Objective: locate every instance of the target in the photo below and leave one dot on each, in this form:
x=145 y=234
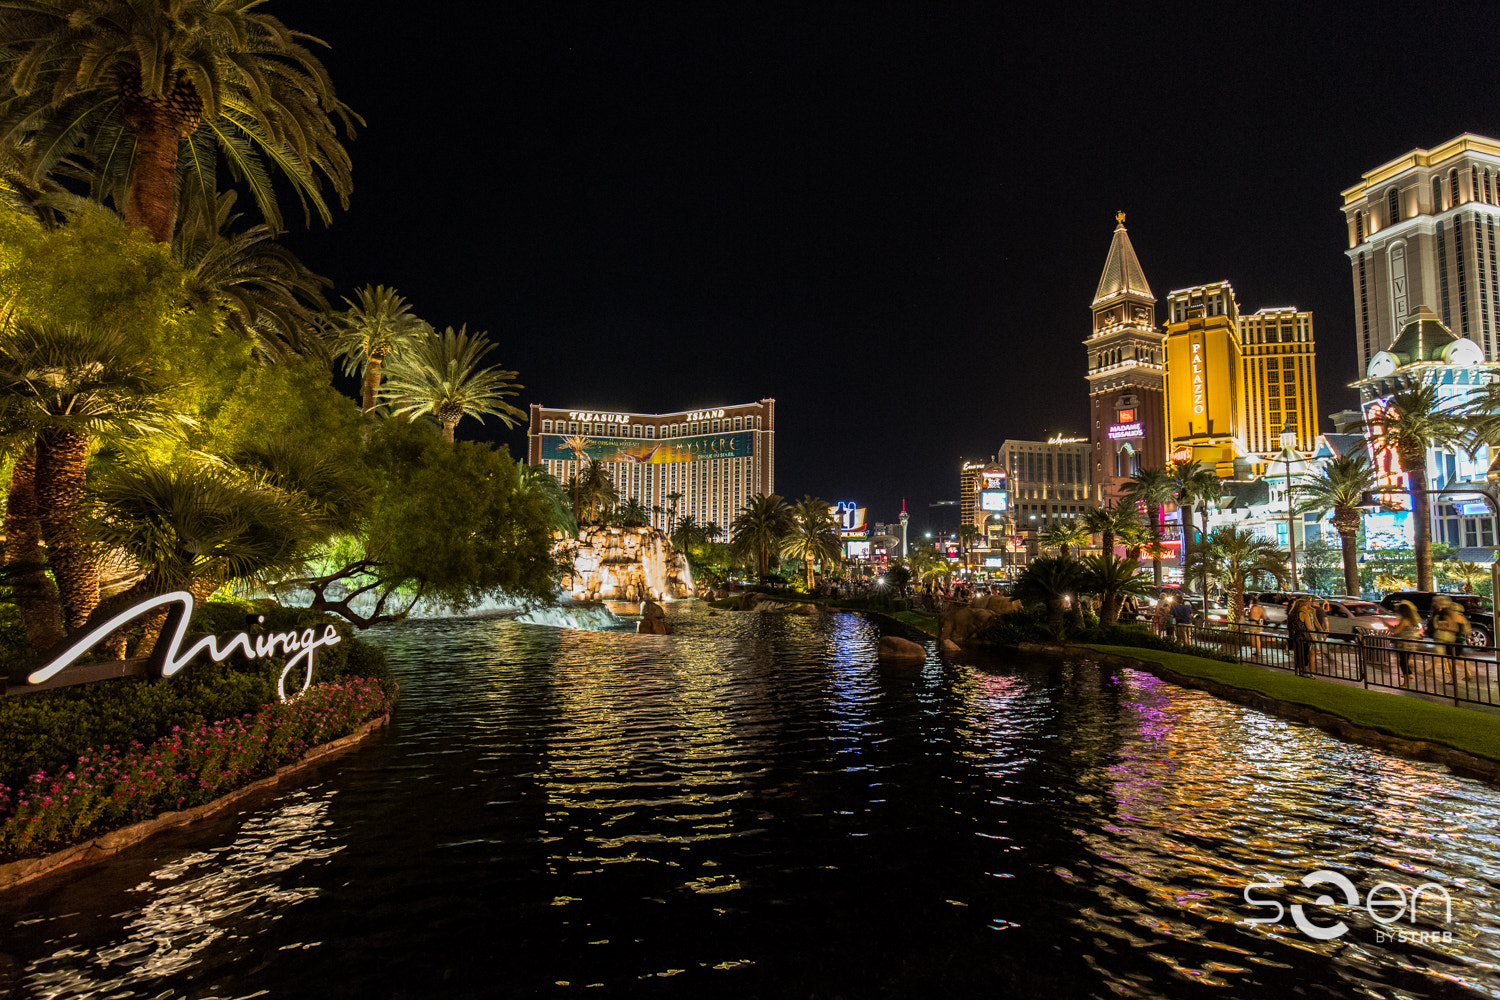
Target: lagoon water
x=756 y=807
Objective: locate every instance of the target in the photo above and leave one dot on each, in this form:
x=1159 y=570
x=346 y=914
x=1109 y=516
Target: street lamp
x=1288 y=441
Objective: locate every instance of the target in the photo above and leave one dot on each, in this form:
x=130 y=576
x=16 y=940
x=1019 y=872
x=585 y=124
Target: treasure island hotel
x=715 y=459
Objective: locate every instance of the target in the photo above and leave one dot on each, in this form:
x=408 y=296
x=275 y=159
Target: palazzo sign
x=168 y=657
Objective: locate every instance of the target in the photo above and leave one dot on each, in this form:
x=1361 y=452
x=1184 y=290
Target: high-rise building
x=983 y=500
x=1422 y=231
x=1205 y=408
x=1048 y=481
x=703 y=463
x=1127 y=416
x=1278 y=381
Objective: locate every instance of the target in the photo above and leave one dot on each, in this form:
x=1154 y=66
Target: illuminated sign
x=608 y=418
x=1384 y=460
x=1198 y=390
x=992 y=561
x=1202 y=382
x=167 y=660
x=705 y=414
x=1126 y=416
x=696 y=448
x=850 y=517
x=993 y=480
x=1062 y=440
x=1183 y=454
x=1391 y=530
x=1126 y=432
x=993 y=500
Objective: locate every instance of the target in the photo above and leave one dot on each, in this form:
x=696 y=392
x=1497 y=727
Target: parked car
x=1479 y=610
x=1276 y=603
x=1356 y=617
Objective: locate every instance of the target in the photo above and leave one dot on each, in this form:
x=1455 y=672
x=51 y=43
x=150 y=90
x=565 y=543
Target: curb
x=107 y=844
x=1461 y=762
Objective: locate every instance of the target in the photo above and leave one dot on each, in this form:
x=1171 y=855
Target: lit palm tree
x=968 y=534
x=758 y=530
x=1050 y=580
x=1339 y=488
x=379 y=325
x=66 y=387
x=262 y=291
x=536 y=479
x=632 y=514
x=1412 y=422
x=579 y=446
x=440 y=374
x=1152 y=489
x=32 y=590
x=1112 y=578
x=1065 y=535
x=598 y=490
x=1465 y=572
x=1112 y=521
x=813 y=535
x=1197 y=489
x=1233 y=556
x=122 y=83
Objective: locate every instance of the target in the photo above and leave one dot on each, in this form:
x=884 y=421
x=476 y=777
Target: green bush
x=1011 y=629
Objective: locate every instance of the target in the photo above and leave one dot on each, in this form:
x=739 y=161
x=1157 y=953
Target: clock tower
x=1126 y=373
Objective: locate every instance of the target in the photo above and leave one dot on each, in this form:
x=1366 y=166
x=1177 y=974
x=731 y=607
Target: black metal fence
x=1464 y=674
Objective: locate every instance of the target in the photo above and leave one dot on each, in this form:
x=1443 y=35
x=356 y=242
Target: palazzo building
x=699 y=463
x=1127 y=415
x=1422 y=231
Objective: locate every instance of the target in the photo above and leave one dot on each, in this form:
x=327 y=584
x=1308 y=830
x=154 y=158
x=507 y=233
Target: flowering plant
x=109 y=788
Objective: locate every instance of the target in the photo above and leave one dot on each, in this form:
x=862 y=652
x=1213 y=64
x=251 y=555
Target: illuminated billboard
x=1201 y=391
x=696 y=448
x=1126 y=432
x=1388 y=530
x=994 y=500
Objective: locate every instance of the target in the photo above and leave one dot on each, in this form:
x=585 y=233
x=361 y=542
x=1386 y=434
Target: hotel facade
x=713 y=460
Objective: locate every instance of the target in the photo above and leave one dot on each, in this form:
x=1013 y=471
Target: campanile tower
x=1126 y=373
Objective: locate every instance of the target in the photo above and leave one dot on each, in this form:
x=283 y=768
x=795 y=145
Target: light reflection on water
x=756 y=806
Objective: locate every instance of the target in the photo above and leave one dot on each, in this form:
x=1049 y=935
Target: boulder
x=805 y=609
x=893 y=647
x=653 y=620
x=962 y=624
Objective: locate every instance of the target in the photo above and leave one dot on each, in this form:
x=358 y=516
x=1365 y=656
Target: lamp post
x=1288 y=440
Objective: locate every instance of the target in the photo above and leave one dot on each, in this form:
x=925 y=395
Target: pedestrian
x=1255 y=618
x=1407 y=635
x=1302 y=625
x=1159 y=619
x=1450 y=627
x=1182 y=620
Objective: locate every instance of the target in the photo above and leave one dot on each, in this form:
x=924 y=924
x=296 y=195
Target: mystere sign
x=300 y=647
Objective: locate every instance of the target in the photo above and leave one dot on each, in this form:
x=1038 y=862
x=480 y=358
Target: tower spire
x=1122 y=271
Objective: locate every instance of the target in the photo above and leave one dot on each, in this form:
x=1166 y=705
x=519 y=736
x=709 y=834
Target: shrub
x=1013 y=628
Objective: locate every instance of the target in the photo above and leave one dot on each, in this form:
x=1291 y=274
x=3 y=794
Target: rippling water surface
x=755 y=806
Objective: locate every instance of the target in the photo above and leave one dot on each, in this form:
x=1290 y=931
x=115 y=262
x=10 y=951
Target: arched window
x=1359 y=228
x=1473 y=183
x=1488 y=191
x=1453 y=187
x=546 y=427
x=1437 y=194
x=1393 y=206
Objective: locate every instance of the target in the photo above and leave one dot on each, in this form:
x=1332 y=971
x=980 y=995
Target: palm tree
x=121 y=83
x=1112 y=577
x=813 y=535
x=632 y=514
x=536 y=479
x=1151 y=489
x=1110 y=521
x=1339 y=488
x=262 y=291
x=32 y=590
x=968 y=534
x=1197 y=487
x=1465 y=572
x=1064 y=535
x=440 y=374
x=379 y=325
x=579 y=446
x=1232 y=556
x=1050 y=580
x=759 y=528
x=1412 y=422
x=673 y=499
x=67 y=386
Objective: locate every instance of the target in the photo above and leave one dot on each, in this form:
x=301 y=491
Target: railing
x=1464 y=674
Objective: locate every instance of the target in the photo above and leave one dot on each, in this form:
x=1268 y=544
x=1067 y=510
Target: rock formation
x=653 y=620
x=624 y=564
x=893 y=647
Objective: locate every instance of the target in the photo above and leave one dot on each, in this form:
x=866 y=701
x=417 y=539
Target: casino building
x=713 y=460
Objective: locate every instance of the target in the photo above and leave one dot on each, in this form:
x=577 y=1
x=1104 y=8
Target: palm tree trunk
x=372 y=382
x=61 y=459
x=448 y=430
x=1414 y=465
x=1348 y=542
x=152 y=201
x=31 y=587
x=1154 y=512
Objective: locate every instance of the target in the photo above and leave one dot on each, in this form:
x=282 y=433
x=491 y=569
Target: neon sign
x=1059 y=439
x=1125 y=432
x=166 y=661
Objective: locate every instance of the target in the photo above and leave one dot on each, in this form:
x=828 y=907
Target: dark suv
x=1479 y=610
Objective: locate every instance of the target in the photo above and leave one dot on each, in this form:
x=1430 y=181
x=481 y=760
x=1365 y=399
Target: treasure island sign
x=299 y=647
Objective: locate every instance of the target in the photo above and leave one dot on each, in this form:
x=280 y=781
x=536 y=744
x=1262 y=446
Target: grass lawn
x=1398 y=715
x=916 y=619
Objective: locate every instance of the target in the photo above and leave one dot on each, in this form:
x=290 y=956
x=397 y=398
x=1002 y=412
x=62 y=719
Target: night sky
x=891 y=218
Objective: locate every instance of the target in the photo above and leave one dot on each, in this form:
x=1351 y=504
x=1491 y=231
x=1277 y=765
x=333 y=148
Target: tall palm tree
x=67 y=386
x=813 y=535
x=1414 y=420
x=440 y=374
x=598 y=490
x=380 y=324
x=151 y=91
x=579 y=446
x=1110 y=521
x=1197 y=489
x=263 y=292
x=1339 y=487
x=758 y=530
x=1151 y=489
x=1065 y=535
x=31 y=589
x=968 y=534
x=1234 y=555
x=1050 y=580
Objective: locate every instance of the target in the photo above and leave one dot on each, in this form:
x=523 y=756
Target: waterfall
x=624 y=564
x=585 y=616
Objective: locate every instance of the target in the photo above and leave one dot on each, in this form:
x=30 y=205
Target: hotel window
x=546 y=427
x=1393 y=206
x=636 y=432
x=651 y=431
x=1437 y=194
x=1453 y=187
x=1489 y=194
x=1474 y=183
x=738 y=423
x=573 y=428
x=1359 y=228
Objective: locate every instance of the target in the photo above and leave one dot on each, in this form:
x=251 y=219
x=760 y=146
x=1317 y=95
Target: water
x=756 y=807
x=582 y=616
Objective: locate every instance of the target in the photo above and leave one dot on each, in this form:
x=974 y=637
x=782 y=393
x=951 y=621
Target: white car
x=1352 y=618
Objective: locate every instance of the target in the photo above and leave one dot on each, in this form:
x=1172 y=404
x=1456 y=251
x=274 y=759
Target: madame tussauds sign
x=300 y=647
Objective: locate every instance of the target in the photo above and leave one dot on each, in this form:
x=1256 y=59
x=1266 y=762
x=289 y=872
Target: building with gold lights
x=1127 y=414
x=711 y=460
x=1422 y=231
x=1279 y=380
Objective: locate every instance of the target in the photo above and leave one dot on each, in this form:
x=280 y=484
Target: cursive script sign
x=168 y=657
